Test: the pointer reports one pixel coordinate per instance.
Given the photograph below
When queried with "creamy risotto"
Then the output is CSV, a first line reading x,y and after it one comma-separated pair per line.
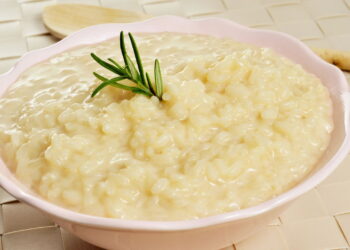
x,y
238,125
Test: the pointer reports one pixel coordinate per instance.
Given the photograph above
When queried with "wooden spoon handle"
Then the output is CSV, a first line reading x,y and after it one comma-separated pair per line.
x,y
339,58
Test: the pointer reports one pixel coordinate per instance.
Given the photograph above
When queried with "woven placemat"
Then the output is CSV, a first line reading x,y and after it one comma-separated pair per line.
x,y
318,220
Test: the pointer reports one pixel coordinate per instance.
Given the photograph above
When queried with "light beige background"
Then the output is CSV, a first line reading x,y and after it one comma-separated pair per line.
x,y
318,220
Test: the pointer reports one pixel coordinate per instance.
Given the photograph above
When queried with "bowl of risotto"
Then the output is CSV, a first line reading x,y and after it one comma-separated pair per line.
x,y
247,121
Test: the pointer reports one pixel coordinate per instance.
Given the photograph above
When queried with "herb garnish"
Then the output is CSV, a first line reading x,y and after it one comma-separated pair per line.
x,y
137,75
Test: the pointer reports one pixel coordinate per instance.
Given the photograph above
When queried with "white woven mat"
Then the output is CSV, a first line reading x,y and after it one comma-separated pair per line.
x,y
318,220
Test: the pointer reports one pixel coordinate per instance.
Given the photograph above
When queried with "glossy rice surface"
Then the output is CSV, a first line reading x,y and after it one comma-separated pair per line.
x,y
238,126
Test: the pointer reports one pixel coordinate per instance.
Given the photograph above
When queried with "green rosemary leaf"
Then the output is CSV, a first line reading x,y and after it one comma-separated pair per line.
x,y
126,87
122,47
140,91
131,66
107,65
116,64
149,83
108,82
138,59
98,76
158,79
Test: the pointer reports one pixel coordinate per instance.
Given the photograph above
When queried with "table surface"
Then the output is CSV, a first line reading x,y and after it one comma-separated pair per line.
x,y
318,220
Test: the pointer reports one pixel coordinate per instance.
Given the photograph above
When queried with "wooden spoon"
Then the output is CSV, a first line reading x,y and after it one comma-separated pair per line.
x,y
64,19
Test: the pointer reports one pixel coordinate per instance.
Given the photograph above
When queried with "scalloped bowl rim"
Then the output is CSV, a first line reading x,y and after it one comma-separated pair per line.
x,y
102,32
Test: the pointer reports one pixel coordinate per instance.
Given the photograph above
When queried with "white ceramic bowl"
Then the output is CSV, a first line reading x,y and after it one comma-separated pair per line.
x,y
207,233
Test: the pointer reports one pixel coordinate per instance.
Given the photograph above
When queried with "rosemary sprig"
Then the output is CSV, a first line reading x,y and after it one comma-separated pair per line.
x,y
142,81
